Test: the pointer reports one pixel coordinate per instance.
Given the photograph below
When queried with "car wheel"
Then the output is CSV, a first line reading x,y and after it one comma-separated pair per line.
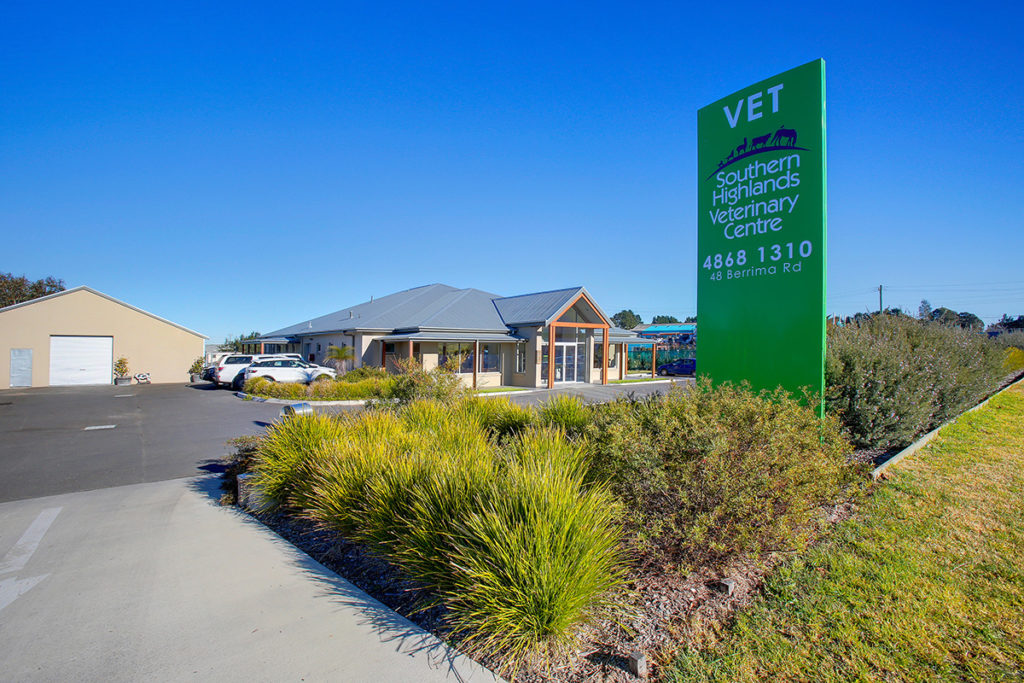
x,y
269,379
238,383
320,378
663,372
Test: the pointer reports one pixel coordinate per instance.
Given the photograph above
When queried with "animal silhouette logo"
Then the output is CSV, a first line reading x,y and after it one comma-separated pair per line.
x,y
785,134
781,139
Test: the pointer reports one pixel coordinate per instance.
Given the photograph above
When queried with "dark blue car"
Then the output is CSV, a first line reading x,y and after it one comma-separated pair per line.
x,y
682,366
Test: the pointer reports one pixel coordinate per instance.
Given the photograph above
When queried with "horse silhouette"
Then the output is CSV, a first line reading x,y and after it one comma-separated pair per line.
x,y
787,134
760,141
742,148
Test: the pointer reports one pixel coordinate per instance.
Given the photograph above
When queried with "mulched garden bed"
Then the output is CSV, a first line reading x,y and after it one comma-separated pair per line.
x,y
664,608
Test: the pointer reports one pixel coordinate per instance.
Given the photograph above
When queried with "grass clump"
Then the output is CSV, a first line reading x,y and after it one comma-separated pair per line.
x,y
501,417
891,378
508,536
926,582
552,553
567,413
281,456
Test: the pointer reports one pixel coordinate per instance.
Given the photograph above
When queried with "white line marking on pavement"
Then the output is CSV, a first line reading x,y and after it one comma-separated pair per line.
x,y
123,395
18,556
13,588
95,427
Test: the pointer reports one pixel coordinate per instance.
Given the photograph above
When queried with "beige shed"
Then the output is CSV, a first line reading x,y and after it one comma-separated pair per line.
x,y
73,338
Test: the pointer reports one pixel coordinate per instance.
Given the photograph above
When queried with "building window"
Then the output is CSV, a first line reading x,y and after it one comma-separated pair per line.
x,y
521,358
460,355
599,355
490,358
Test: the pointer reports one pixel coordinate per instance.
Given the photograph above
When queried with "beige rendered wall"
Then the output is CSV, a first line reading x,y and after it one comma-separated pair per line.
x,y
150,345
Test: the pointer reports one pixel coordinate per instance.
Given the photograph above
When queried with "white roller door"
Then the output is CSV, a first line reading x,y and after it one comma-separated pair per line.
x,y
81,360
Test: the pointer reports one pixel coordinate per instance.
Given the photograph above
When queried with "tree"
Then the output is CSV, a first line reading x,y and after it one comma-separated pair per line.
x,y
945,316
924,311
14,290
969,321
664,319
1008,323
337,355
235,343
690,319
627,319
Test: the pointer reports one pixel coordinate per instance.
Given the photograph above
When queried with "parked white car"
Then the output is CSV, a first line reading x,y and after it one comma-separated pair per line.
x,y
288,370
231,369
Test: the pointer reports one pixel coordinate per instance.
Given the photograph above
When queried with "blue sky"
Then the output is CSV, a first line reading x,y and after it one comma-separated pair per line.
x,y
248,166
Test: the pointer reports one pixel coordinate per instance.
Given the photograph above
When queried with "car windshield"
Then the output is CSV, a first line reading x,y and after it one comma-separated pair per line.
x,y
237,360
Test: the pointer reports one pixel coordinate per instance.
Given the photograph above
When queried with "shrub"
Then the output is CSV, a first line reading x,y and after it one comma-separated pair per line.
x,y
750,470
1014,359
413,383
323,390
892,378
712,473
364,372
1011,340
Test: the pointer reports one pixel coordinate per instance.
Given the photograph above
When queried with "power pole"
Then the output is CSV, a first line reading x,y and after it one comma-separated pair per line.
x,y
880,298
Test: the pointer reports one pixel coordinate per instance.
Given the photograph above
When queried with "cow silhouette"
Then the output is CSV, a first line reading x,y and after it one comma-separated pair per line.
x,y
731,155
760,141
787,134
742,148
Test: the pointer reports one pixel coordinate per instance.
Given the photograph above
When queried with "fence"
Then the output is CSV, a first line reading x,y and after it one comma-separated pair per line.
x,y
640,356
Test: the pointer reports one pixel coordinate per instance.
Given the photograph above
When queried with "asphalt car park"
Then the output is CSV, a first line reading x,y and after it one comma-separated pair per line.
x,y
63,439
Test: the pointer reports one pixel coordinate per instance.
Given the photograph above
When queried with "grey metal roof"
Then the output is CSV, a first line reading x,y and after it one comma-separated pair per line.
x,y
534,308
401,309
617,335
463,309
439,308
452,336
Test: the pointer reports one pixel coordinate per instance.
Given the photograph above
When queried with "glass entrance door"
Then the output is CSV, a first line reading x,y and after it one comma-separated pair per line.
x,y
570,359
570,363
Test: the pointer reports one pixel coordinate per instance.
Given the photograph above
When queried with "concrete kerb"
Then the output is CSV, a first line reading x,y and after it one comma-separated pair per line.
x,y
284,401
923,441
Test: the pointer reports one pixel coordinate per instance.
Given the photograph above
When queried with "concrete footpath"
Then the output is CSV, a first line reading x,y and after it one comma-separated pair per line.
x,y
156,582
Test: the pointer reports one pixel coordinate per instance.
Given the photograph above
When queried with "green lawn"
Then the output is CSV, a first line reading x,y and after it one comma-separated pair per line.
x,y
926,582
495,390
637,379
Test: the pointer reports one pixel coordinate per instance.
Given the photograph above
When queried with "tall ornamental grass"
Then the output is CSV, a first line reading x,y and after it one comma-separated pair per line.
x,y
892,378
507,536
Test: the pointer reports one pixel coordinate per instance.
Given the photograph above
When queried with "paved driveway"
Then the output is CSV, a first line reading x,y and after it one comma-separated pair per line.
x,y
597,393
161,431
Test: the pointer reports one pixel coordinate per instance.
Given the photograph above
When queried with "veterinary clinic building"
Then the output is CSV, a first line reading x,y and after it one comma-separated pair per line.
x,y
74,337
531,340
